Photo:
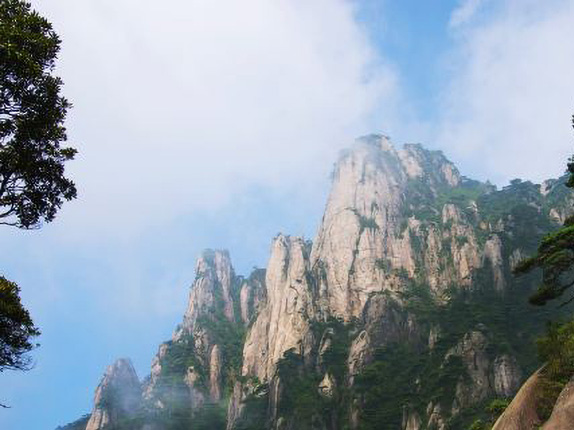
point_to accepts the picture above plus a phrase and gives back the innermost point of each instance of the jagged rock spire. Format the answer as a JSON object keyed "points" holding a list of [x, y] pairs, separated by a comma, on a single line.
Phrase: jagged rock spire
{"points": [[360, 238], [118, 396], [211, 290], [284, 322]]}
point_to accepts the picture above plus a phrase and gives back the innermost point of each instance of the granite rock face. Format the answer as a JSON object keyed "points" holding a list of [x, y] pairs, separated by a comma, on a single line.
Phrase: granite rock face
{"points": [[253, 295], [521, 413], [284, 322], [195, 367], [562, 416], [117, 397], [506, 376], [365, 237], [215, 279], [411, 420], [484, 378]]}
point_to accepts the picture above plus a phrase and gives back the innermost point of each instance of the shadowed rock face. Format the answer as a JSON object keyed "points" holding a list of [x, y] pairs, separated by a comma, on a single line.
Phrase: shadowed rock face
{"points": [[253, 295], [117, 397]]}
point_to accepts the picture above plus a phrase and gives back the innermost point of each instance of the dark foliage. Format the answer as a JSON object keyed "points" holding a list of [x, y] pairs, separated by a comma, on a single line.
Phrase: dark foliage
{"points": [[555, 257], [79, 424], [32, 113], [16, 329], [300, 398], [255, 415], [556, 350]]}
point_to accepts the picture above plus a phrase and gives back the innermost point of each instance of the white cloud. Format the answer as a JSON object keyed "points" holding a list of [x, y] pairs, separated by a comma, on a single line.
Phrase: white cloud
{"points": [[506, 112], [180, 104], [464, 13]]}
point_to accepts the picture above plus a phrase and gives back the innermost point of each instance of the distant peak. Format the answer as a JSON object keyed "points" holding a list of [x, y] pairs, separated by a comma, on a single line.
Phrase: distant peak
{"points": [[211, 254], [118, 396], [122, 368], [123, 362], [373, 138], [380, 141], [212, 259]]}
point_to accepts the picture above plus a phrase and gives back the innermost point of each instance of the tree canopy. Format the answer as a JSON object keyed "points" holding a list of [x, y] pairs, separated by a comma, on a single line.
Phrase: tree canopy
{"points": [[32, 113], [33, 186], [16, 329], [555, 257]]}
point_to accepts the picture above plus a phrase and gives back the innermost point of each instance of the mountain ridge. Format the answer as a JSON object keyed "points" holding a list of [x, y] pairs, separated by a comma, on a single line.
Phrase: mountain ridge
{"points": [[406, 247]]}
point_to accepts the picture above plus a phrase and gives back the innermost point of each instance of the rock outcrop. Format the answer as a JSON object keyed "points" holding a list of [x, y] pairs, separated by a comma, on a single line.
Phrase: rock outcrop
{"points": [[562, 417], [195, 366], [384, 231], [211, 291], [506, 376], [360, 228], [521, 413], [284, 322], [411, 420], [117, 397], [365, 236], [253, 295]]}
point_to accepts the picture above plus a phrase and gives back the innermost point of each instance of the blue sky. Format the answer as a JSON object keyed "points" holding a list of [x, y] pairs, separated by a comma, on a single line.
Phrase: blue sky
{"points": [[216, 124]]}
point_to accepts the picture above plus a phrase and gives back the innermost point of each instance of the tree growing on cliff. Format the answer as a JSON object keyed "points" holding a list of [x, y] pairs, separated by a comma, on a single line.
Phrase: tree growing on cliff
{"points": [[32, 113], [32, 182], [16, 329], [555, 257]]}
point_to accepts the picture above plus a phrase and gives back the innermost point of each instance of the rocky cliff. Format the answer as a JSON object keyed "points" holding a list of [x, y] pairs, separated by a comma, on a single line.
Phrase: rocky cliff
{"points": [[117, 398], [401, 314]]}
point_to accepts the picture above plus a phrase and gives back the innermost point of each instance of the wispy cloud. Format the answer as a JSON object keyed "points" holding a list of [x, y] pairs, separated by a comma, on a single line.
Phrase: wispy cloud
{"points": [[464, 13], [180, 105], [506, 110]]}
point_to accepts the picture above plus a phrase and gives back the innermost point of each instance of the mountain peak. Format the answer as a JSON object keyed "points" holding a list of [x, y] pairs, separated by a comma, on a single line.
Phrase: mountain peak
{"points": [[213, 259], [380, 141], [118, 395], [214, 279]]}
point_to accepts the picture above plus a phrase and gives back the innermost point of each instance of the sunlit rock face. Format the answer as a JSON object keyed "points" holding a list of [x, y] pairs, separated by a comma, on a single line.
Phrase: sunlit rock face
{"points": [[117, 397], [361, 227], [563, 412], [284, 322], [211, 290], [369, 229]]}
